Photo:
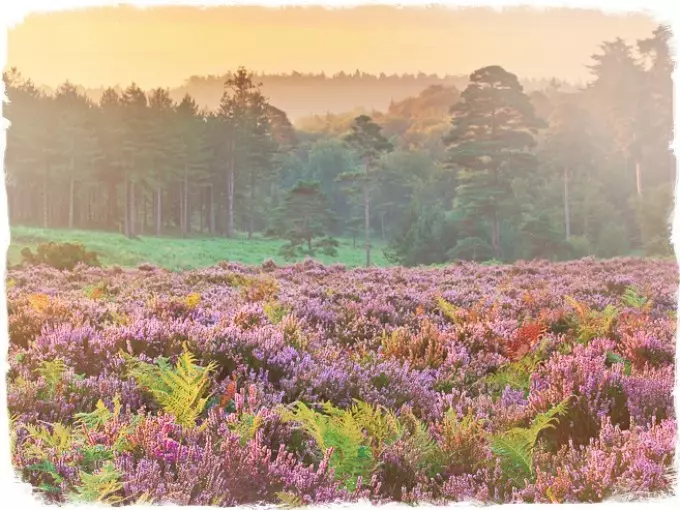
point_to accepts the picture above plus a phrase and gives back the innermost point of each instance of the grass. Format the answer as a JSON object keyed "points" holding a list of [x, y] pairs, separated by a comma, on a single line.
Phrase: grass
{"points": [[179, 254]]}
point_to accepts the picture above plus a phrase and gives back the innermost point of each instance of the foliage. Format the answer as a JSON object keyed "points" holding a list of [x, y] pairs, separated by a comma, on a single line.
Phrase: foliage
{"points": [[492, 128], [592, 323], [653, 211], [103, 486], [179, 390], [516, 446], [64, 256], [409, 384], [52, 371], [337, 431], [426, 235], [302, 217]]}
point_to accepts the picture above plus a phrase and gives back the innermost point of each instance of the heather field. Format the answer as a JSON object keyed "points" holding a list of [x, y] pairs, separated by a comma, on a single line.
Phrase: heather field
{"points": [[230, 385]]}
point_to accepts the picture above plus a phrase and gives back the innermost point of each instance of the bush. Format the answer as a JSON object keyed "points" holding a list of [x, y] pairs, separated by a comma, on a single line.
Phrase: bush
{"points": [[471, 248], [653, 213], [62, 256], [612, 241], [580, 247], [425, 236]]}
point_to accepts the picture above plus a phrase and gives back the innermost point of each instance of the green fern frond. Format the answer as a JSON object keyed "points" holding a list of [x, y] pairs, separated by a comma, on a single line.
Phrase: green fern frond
{"points": [[247, 426], [60, 439], [179, 390], [101, 415], [517, 374], [417, 435], [380, 424], [339, 430], [449, 310], [53, 372], [515, 447], [634, 300], [613, 359], [275, 311], [102, 486], [49, 468]]}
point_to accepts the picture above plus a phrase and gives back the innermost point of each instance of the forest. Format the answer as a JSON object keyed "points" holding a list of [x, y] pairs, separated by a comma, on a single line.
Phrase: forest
{"points": [[483, 170]]}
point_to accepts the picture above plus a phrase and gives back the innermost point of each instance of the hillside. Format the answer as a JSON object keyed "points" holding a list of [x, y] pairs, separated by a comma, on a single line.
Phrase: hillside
{"points": [[301, 95]]}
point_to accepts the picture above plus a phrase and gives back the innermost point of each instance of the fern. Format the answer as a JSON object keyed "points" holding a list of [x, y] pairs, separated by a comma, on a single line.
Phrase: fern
{"points": [[275, 312], [50, 469], [613, 358], [101, 415], [451, 312], [192, 300], [515, 447], [60, 439], [381, 424], [247, 426], [591, 323], [289, 500], [419, 440], [634, 300], [39, 302], [339, 430], [102, 486], [517, 374], [52, 372], [179, 390]]}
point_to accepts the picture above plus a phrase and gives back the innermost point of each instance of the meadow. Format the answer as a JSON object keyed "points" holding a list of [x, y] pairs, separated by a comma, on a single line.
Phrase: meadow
{"points": [[234, 384], [180, 254]]}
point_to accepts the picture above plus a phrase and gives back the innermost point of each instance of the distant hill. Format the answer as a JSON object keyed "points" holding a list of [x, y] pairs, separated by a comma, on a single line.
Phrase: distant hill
{"points": [[303, 95]]}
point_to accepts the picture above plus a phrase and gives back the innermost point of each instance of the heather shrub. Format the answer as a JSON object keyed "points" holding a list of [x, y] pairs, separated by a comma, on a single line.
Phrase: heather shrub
{"points": [[537, 382]]}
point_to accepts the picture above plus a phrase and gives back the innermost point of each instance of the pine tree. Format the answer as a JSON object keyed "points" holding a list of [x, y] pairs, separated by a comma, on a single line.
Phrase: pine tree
{"points": [[493, 128], [244, 112], [163, 148], [370, 144], [110, 164], [135, 150], [75, 140], [303, 216]]}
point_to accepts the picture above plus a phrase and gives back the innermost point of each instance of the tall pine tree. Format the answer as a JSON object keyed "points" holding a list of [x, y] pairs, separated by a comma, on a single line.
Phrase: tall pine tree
{"points": [[493, 130]]}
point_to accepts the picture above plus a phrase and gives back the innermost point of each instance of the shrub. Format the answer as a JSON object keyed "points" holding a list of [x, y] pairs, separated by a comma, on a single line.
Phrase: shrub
{"points": [[62, 256]]}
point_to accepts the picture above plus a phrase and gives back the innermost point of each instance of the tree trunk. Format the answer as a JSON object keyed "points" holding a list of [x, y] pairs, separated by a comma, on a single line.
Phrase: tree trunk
{"points": [[230, 192], [211, 217], [126, 226], [71, 199], [144, 222], [132, 208], [367, 219], [46, 211], [159, 211], [182, 228], [113, 205], [496, 236], [187, 216], [382, 225], [202, 212], [567, 219], [251, 209], [638, 178]]}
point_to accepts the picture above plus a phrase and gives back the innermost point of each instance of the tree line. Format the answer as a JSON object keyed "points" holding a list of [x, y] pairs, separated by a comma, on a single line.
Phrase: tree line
{"points": [[304, 94], [489, 172]]}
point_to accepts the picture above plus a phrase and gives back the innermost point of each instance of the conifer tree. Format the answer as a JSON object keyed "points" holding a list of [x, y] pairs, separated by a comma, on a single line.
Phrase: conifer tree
{"points": [[493, 130]]}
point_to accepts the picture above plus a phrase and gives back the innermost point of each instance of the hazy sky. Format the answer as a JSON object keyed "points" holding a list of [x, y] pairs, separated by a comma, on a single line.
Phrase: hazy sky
{"points": [[164, 46]]}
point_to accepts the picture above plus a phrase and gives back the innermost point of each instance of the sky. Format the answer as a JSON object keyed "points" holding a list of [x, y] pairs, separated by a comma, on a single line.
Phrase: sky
{"points": [[164, 46]]}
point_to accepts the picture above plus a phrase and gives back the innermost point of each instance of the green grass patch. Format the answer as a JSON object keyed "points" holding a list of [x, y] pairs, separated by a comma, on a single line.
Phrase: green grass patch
{"points": [[179, 254]]}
